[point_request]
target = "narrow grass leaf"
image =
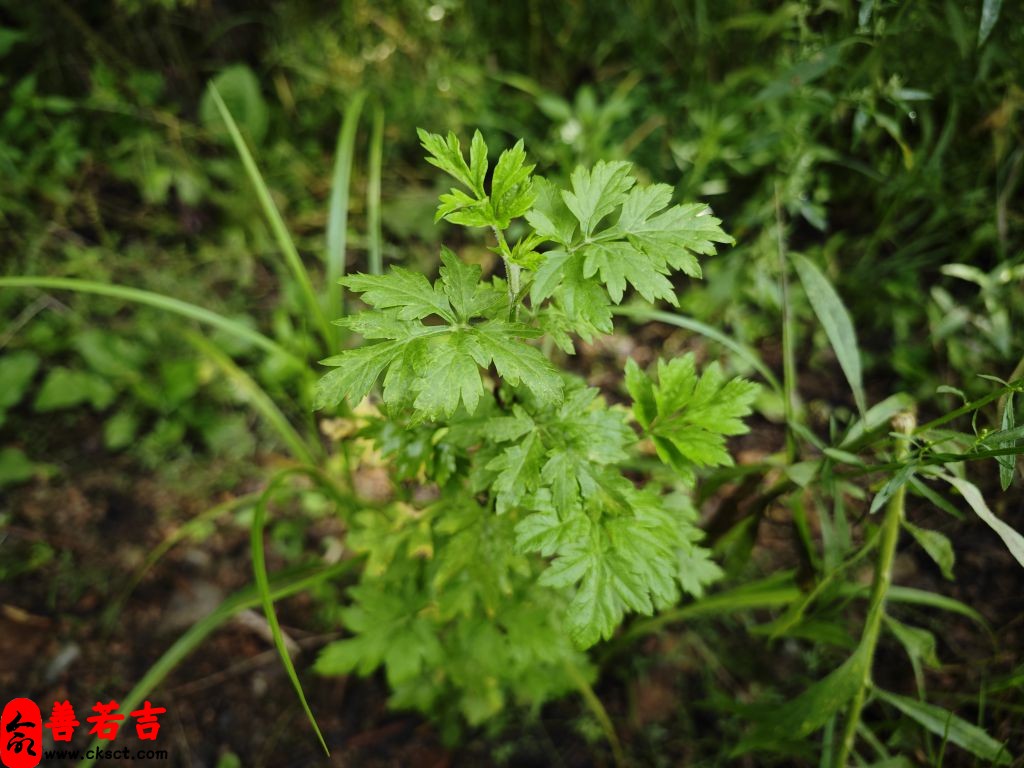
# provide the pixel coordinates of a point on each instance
(913, 596)
(259, 567)
(989, 16)
(836, 321)
(894, 483)
(374, 255)
(1013, 540)
(1007, 425)
(775, 591)
(948, 726)
(158, 300)
(277, 225)
(811, 710)
(304, 450)
(337, 208)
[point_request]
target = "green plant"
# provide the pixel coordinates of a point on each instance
(519, 533)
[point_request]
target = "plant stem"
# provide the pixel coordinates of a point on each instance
(903, 424)
(513, 272)
(788, 357)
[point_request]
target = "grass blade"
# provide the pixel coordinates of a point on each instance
(989, 16)
(836, 321)
(158, 300)
(284, 586)
(774, 591)
(337, 210)
(948, 726)
(1014, 541)
(301, 449)
(375, 260)
(1007, 424)
(277, 225)
(640, 312)
(259, 567)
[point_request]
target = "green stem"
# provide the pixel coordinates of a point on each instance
(788, 357)
(513, 272)
(904, 425)
(599, 712)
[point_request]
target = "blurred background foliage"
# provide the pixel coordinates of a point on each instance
(886, 139)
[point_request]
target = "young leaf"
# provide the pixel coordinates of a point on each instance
(512, 192)
(689, 416)
(836, 321)
(518, 470)
(918, 643)
(446, 154)
(936, 545)
(549, 217)
(644, 244)
(948, 726)
(897, 481)
(597, 192)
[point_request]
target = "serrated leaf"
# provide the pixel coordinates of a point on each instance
(834, 318)
(477, 162)
(462, 209)
(446, 154)
(454, 376)
(948, 726)
(356, 372)
(381, 324)
(641, 389)
(549, 217)
(546, 532)
(597, 192)
(512, 192)
(388, 632)
(936, 545)
(408, 292)
(673, 236)
(643, 245)
(460, 281)
(516, 362)
(692, 415)
(619, 262)
(518, 468)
